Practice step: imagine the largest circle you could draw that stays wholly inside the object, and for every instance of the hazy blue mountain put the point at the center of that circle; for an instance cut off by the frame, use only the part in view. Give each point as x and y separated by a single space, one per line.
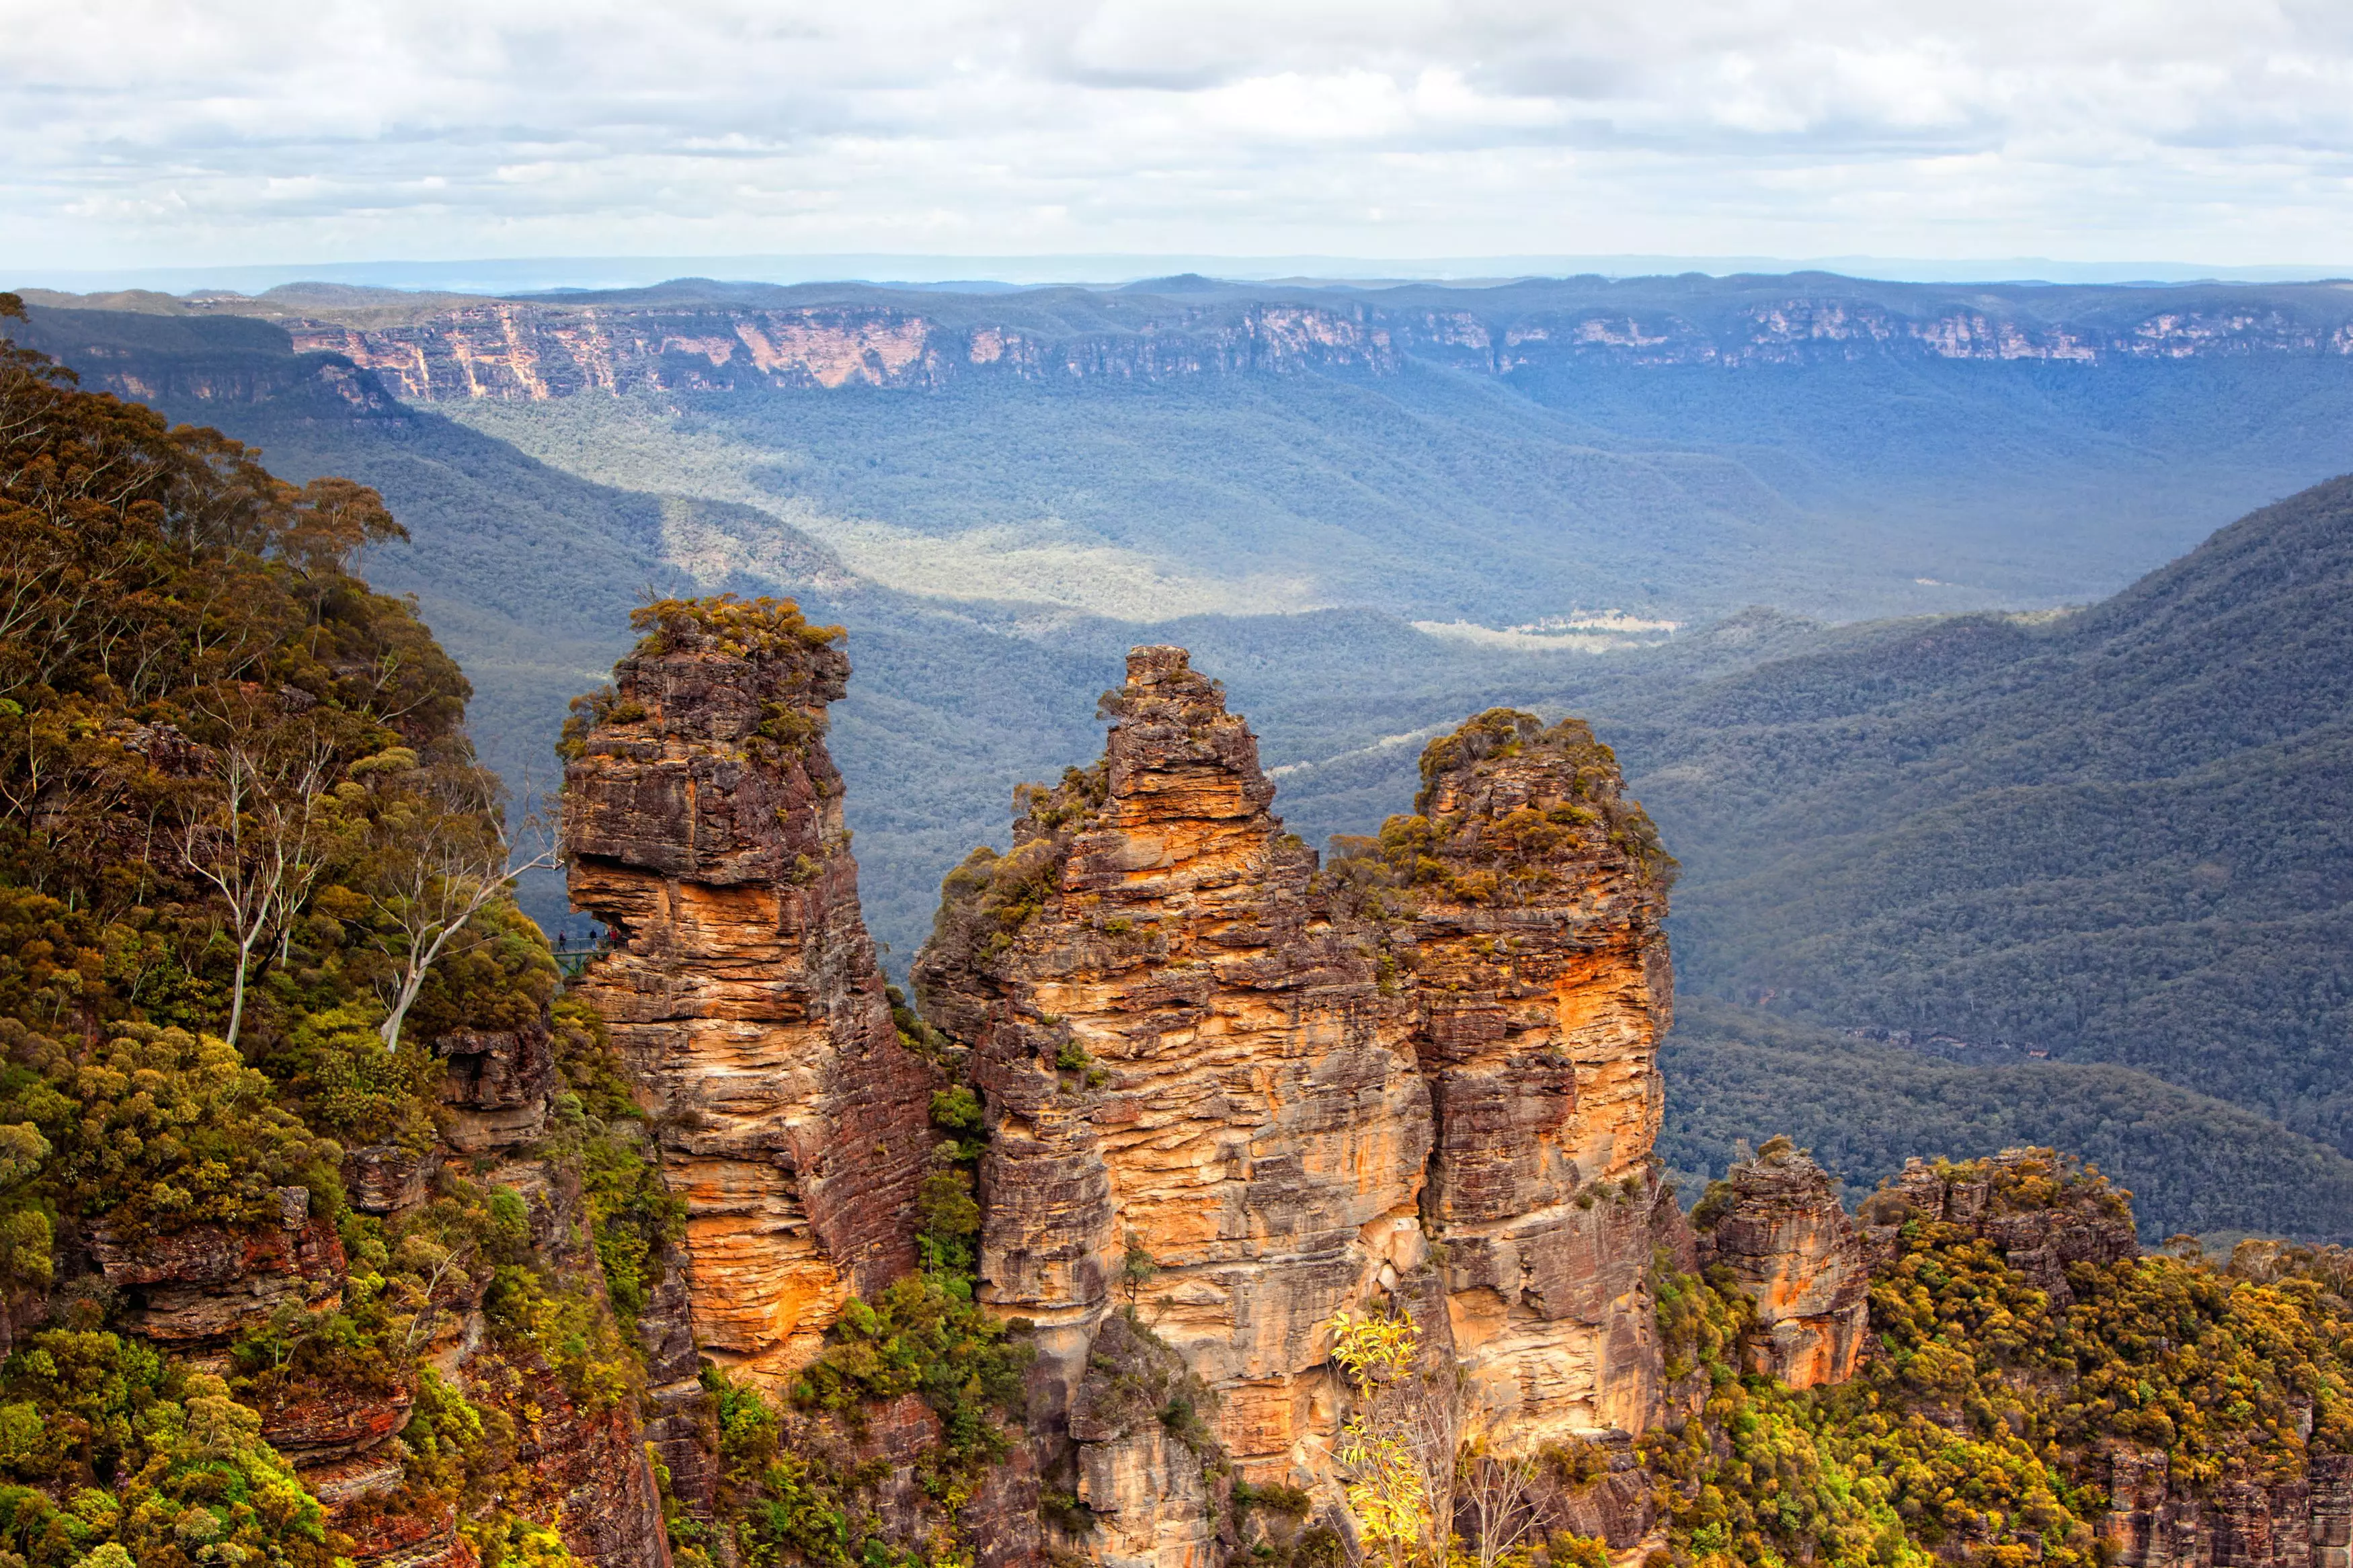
2119 836
1674 447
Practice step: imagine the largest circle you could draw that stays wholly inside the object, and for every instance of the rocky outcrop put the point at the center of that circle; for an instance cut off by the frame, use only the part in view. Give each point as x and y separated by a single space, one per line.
2302 1523
494 1087
1235 1091
196 1286
1775 1223
388 1179
704 826
1144 1449
681 1428
2041 1209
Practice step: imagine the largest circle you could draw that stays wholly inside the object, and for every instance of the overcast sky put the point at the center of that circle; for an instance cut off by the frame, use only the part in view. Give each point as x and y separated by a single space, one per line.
278 131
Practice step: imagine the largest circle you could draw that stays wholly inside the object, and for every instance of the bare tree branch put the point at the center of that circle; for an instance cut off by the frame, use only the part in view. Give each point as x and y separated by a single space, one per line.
261 838
443 853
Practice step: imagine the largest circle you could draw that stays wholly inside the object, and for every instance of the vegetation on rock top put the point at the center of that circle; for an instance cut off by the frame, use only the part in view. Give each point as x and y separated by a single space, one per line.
1981 1426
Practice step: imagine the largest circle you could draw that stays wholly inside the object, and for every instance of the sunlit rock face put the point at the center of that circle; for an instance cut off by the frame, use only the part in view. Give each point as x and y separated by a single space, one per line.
1776 1222
1237 1090
1541 987
704 826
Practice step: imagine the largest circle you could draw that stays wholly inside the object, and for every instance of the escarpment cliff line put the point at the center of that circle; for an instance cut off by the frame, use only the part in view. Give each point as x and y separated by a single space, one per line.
1237 1091
704 826
534 351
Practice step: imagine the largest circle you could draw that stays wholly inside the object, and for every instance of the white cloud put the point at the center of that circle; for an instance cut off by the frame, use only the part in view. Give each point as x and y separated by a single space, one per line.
161 132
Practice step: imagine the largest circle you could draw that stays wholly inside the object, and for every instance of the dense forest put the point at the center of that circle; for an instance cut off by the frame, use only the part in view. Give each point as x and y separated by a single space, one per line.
2117 836
252 908
2193 1163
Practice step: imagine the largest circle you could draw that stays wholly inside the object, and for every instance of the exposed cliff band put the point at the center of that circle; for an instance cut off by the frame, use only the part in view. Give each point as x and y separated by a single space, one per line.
704 826
514 351
1243 1091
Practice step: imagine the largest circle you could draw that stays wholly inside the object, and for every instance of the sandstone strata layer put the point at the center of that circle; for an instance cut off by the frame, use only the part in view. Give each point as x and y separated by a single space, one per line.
1775 1223
2306 1523
704 826
514 350
1532 896
1238 1091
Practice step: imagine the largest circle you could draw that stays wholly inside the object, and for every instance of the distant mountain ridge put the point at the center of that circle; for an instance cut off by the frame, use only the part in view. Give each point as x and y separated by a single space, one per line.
676 338
696 334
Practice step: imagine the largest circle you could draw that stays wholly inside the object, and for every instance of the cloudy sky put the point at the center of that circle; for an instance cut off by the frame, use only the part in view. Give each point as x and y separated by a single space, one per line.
154 133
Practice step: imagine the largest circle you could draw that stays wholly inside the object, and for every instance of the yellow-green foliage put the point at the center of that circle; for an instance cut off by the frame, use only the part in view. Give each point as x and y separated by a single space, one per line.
102 1439
151 1128
740 628
187 665
791 1490
919 1338
989 896
1976 1426
598 1129
1481 861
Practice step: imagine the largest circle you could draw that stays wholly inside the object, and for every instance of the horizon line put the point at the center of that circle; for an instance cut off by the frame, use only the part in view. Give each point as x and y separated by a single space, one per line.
497 275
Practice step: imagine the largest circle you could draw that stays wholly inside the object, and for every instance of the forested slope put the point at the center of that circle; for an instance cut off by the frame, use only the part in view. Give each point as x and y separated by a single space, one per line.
2120 835
2193 1163
316 1240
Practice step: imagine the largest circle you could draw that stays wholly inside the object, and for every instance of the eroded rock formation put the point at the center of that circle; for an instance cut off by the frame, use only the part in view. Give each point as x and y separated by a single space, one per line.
1775 1223
703 824
1183 1055
1532 897
2021 1201
1237 1091
2304 1522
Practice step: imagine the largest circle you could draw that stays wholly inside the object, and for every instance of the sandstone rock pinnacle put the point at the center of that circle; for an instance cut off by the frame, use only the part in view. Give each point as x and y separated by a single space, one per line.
704 826
1233 1091
1775 1223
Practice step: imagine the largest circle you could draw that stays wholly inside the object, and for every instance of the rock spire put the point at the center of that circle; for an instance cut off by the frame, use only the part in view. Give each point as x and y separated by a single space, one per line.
704 826
1235 1090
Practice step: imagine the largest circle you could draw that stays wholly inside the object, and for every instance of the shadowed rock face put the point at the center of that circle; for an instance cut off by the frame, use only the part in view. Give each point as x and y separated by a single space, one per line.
703 824
2299 1523
1276 1084
1775 1223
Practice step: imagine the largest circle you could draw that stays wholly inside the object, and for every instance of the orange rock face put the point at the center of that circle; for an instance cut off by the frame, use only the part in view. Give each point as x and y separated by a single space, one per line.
1776 1224
704 826
1534 895
1241 1090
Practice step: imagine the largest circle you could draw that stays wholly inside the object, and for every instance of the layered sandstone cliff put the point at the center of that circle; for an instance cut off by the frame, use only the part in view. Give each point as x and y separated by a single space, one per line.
515 351
1531 895
1776 1224
704 826
1235 1092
